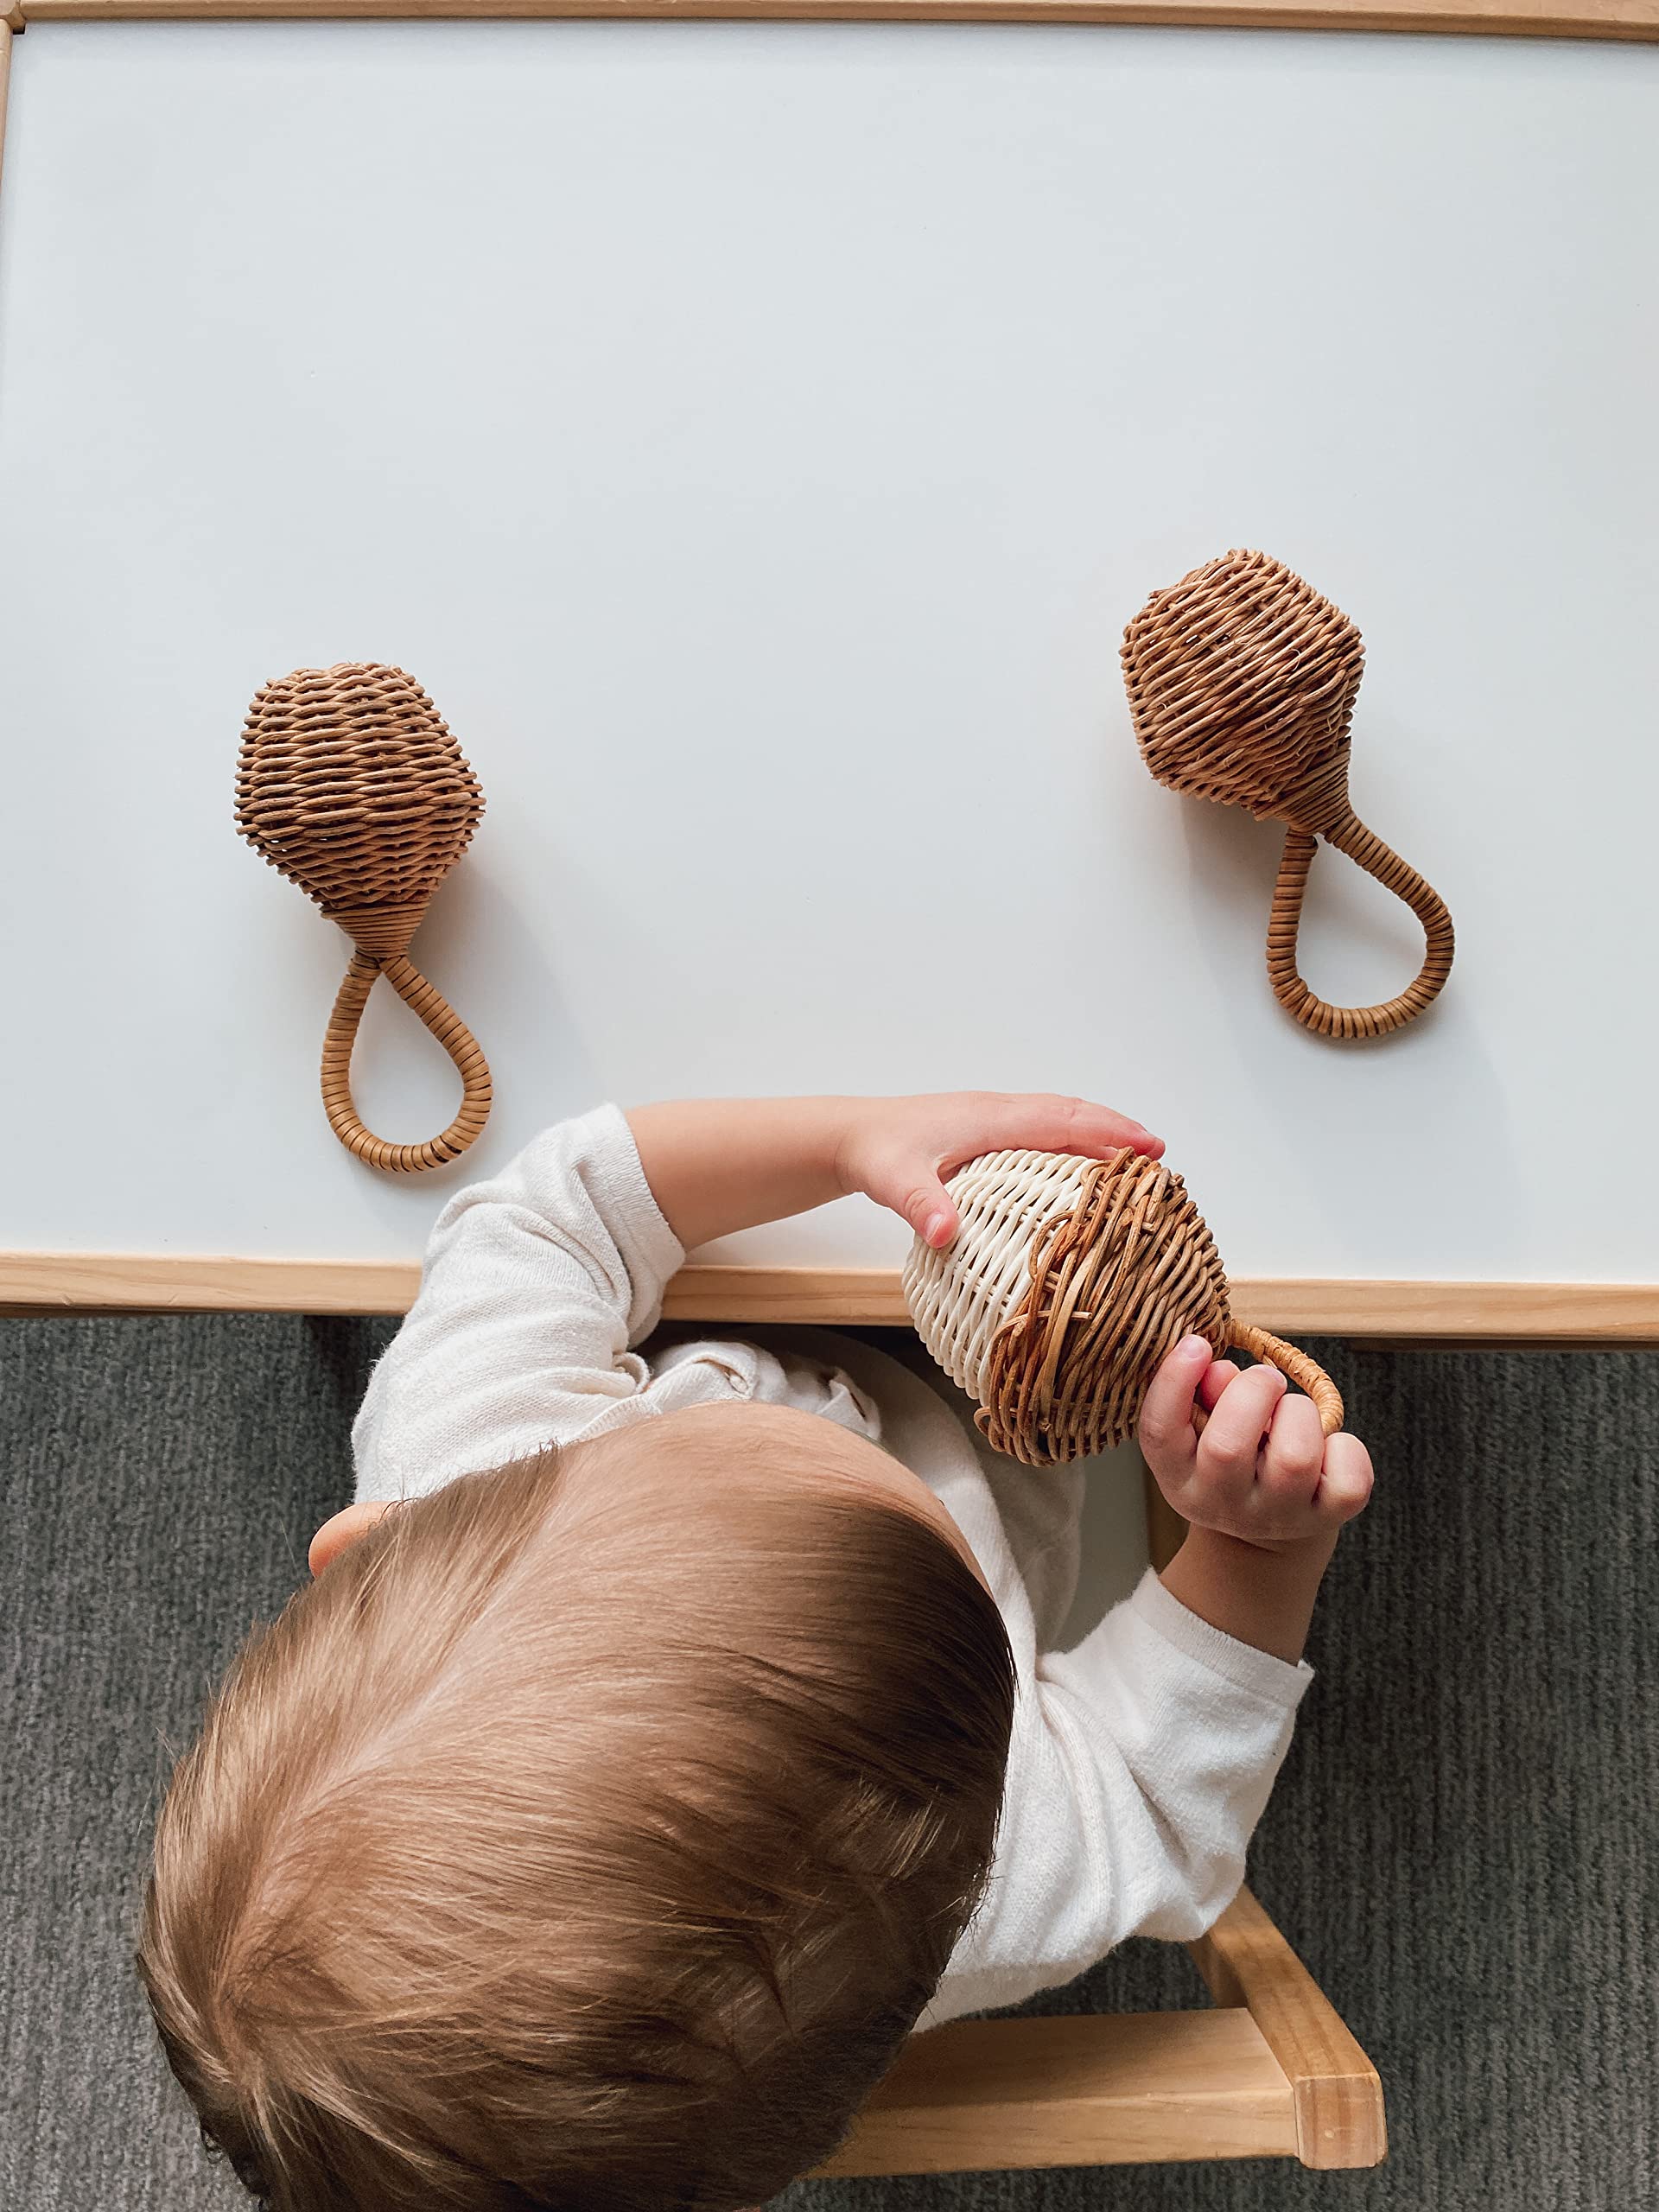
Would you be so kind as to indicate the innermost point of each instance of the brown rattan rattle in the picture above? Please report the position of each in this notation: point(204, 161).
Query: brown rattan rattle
point(1068, 1282)
point(1242, 683)
point(351, 786)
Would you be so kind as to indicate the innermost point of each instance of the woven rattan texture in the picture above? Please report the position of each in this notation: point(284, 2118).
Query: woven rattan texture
point(1070, 1281)
point(1242, 681)
point(350, 784)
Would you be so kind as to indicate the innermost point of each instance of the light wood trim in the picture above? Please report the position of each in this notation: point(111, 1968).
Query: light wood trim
point(866, 1297)
point(1337, 2097)
point(140, 1282)
point(1470, 1312)
point(175, 1282)
point(6, 26)
point(1588, 1313)
point(1597, 19)
point(1101, 2089)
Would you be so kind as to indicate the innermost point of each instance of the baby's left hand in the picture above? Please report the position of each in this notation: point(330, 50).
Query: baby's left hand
point(1262, 1471)
point(898, 1151)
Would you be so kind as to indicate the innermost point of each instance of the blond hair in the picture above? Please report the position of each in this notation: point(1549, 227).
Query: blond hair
point(534, 1857)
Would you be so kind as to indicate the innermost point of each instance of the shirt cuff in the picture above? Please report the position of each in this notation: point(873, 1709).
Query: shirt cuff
point(648, 1248)
point(1273, 1680)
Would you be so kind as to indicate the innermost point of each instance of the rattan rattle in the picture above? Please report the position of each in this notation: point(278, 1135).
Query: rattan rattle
point(1241, 682)
point(1070, 1281)
point(351, 786)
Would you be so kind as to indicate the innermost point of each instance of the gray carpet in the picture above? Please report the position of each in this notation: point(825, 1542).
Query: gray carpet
point(1461, 1845)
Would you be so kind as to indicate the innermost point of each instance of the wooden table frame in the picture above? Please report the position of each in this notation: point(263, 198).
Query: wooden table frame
point(1270, 2070)
point(1560, 1316)
point(1599, 19)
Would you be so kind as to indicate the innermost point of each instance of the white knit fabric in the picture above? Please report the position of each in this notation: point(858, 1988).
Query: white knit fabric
point(1141, 1759)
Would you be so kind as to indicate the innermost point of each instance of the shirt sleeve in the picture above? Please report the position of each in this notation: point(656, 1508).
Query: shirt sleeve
point(534, 1287)
point(1170, 1734)
point(1141, 1762)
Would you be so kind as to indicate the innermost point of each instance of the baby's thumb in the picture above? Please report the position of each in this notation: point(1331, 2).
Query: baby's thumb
point(913, 1188)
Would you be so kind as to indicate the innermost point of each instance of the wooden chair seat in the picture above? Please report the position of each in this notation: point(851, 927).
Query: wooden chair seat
point(1269, 2072)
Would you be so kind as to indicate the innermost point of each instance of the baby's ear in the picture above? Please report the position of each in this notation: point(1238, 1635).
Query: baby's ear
point(334, 1536)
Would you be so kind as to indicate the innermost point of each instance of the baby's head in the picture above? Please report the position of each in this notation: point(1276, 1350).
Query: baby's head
point(590, 1833)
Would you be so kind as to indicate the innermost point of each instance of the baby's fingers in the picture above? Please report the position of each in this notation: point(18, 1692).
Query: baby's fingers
point(1290, 1473)
point(1232, 1438)
point(1346, 1486)
point(1166, 1434)
point(1221, 1374)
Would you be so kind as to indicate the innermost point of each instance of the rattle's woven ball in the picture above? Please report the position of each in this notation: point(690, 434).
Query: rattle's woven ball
point(1241, 682)
point(1070, 1281)
point(350, 784)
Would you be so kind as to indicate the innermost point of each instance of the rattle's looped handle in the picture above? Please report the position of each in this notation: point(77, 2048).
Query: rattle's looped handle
point(1306, 1373)
point(1350, 835)
point(451, 1033)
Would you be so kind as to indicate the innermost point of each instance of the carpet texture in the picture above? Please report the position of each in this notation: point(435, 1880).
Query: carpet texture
point(1461, 1846)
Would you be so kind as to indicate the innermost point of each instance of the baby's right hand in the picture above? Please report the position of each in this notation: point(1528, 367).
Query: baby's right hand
point(1262, 1471)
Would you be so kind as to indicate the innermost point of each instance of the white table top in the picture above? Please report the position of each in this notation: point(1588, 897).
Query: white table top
point(755, 439)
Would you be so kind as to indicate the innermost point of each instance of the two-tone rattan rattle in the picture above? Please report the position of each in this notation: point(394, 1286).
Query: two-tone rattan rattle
point(351, 786)
point(1241, 682)
point(1070, 1281)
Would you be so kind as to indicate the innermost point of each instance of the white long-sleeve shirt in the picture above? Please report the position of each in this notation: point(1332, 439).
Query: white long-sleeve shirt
point(1140, 1761)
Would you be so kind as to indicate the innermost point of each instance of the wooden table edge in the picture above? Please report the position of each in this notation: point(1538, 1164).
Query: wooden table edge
point(1630, 20)
point(1597, 1314)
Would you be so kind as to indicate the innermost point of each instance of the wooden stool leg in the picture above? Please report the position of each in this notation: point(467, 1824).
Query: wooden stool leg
point(1337, 2096)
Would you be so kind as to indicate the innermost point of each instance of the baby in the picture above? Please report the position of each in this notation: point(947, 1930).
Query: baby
point(595, 1828)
